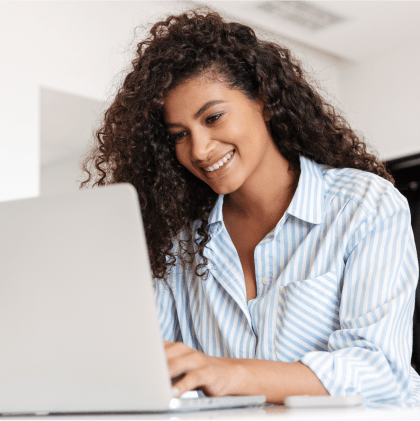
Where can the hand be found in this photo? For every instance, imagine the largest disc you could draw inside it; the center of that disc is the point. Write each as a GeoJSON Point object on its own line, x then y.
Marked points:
{"type": "Point", "coordinates": [191, 369]}
{"type": "Point", "coordinates": [217, 376]}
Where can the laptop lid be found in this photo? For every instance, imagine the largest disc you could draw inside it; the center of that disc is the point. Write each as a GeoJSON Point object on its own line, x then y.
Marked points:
{"type": "Point", "coordinates": [78, 326]}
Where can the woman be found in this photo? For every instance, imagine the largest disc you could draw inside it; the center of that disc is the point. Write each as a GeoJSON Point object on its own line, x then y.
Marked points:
{"type": "Point", "coordinates": [283, 257]}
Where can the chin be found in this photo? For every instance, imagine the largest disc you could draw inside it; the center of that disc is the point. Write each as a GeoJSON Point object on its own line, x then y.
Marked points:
{"type": "Point", "coordinates": [224, 189]}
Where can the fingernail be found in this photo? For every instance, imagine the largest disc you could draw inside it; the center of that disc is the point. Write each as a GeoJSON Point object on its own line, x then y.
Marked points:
{"type": "Point", "coordinates": [175, 392]}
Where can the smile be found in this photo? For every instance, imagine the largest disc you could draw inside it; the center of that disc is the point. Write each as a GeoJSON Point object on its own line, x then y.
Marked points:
{"type": "Point", "coordinates": [220, 163]}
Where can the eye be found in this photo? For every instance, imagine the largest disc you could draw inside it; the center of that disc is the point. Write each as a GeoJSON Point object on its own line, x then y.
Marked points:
{"type": "Point", "coordinates": [213, 118]}
{"type": "Point", "coordinates": [176, 137]}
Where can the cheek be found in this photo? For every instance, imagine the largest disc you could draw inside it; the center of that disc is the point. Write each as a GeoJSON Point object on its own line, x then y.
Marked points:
{"type": "Point", "coordinates": [246, 131]}
{"type": "Point", "coordinates": [236, 130]}
{"type": "Point", "coordinates": [182, 154]}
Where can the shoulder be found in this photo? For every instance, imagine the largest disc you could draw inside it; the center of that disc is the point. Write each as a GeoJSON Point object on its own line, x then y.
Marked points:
{"type": "Point", "coordinates": [367, 190]}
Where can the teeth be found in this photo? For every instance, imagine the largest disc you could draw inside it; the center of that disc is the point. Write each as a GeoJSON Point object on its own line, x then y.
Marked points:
{"type": "Point", "coordinates": [219, 164]}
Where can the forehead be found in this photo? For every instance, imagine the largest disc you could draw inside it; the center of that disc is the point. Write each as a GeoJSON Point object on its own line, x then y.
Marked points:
{"type": "Point", "coordinates": [191, 95]}
{"type": "Point", "coordinates": [194, 89]}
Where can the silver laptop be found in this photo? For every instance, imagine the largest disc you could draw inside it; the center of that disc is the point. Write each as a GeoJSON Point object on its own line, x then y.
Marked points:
{"type": "Point", "coordinates": [78, 324]}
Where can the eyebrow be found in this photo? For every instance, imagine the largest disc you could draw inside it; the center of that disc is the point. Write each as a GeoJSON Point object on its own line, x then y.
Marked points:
{"type": "Point", "coordinates": [204, 108]}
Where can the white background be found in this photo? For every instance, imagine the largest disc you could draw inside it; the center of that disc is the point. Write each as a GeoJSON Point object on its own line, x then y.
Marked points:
{"type": "Point", "coordinates": [61, 62]}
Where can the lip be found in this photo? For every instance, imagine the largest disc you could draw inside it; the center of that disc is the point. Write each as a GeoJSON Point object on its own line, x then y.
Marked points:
{"type": "Point", "coordinates": [214, 161]}
{"type": "Point", "coordinates": [220, 171]}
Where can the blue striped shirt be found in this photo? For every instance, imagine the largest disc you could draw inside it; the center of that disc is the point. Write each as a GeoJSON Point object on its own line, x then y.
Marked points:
{"type": "Point", "coordinates": [336, 281]}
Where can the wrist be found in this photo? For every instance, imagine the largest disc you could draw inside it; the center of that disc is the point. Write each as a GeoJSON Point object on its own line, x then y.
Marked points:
{"type": "Point", "coordinates": [273, 379]}
{"type": "Point", "coordinates": [243, 380]}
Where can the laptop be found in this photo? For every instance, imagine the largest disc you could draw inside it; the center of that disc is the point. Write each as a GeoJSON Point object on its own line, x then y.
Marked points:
{"type": "Point", "coordinates": [78, 326]}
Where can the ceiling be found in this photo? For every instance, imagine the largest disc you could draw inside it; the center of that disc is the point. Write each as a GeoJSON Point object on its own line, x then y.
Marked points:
{"type": "Point", "coordinates": [368, 27]}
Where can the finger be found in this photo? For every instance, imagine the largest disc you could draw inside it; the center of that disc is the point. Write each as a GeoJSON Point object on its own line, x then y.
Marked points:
{"type": "Point", "coordinates": [167, 343]}
{"type": "Point", "coordinates": [176, 379]}
{"type": "Point", "coordinates": [185, 363]}
{"type": "Point", "coordinates": [177, 349]}
{"type": "Point", "coordinates": [191, 381]}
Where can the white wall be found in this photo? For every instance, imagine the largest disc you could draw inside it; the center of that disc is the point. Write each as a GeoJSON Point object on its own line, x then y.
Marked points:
{"type": "Point", "coordinates": [58, 46]}
{"type": "Point", "coordinates": [67, 125]}
{"type": "Point", "coordinates": [19, 138]}
{"type": "Point", "coordinates": [67, 122]}
{"type": "Point", "coordinates": [323, 68]}
{"type": "Point", "coordinates": [381, 97]}
{"type": "Point", "coordinates": [73, 46]}
{"type": "Point", "coordinates": [61, 176]}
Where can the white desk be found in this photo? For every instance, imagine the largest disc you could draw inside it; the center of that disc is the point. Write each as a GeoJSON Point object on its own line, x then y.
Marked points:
{"type": "Point", "coordinates": [265, 412]}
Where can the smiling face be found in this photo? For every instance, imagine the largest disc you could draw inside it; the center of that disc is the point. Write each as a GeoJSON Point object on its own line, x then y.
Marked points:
{"type": "Point", "coordinates": [220, 135]}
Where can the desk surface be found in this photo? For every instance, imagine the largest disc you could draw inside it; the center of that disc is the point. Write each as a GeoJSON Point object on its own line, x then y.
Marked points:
{"type": "Point", "coordinates": [261, 412]}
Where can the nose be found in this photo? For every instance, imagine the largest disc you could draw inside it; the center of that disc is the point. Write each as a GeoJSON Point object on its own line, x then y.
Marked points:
{"type": "Point", "coordinates": [201, 145]}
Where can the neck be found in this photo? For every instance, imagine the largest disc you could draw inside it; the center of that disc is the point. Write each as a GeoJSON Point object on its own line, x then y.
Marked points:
{"type": "Point", "coordinates": [268, 193]}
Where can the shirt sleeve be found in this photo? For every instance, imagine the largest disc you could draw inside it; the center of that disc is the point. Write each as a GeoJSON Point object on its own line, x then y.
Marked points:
{"type": "Point", "coordinates": [371, 353]}
{"type": "Point", "coordinates": [166, 312]}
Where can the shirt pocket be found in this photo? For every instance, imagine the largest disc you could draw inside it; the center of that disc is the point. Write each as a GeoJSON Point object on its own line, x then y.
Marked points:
{"type": "Point", "coordinates": [308, 312]}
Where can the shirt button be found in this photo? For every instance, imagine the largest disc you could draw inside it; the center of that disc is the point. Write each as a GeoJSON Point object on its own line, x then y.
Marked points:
{"type": "Point", "coordinates": [265, 281]}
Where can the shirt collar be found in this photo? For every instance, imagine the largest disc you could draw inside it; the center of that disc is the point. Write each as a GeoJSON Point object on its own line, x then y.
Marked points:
{"type": "Point", "coordinates": [307, 203]}
{"type": "Point", "coordinates": [216, 216]}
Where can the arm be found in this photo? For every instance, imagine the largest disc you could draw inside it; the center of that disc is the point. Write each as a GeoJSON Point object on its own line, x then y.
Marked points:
{"type": "Point", "coordinates": [370, 354]}
{"type": "Point", "coordinates": [218, 376]}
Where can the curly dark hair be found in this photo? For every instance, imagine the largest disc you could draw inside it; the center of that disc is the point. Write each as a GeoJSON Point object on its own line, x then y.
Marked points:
{"type": "Point", "coordinates": [133, 143]}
